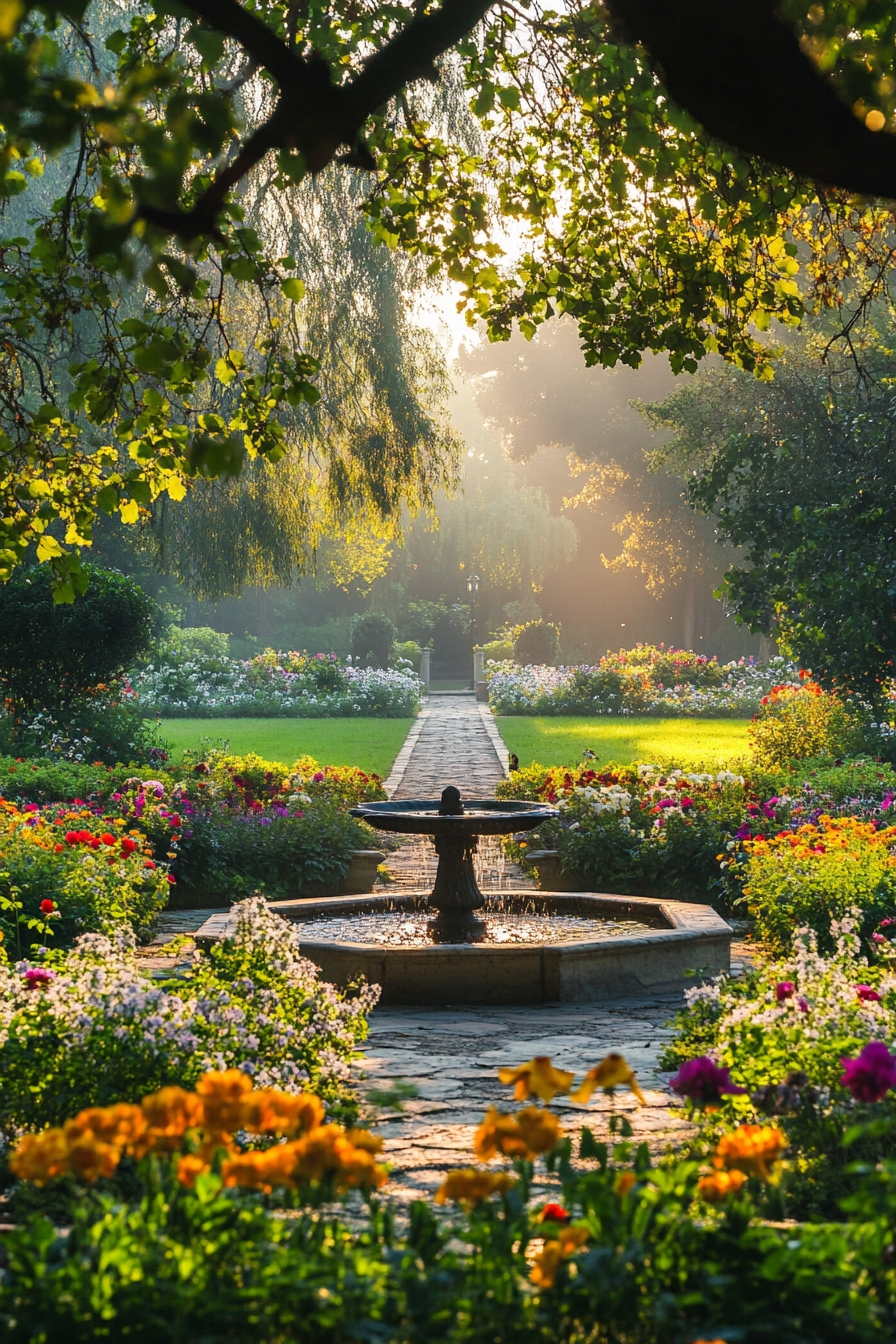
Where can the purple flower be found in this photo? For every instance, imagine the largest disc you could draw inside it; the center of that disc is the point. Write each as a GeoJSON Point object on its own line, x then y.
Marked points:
{"type": "Point", "coordinates": [784, 990]}
{"type": "Point", "coordinates": [802, 1004]}
{"type": "Point", "coordinates": [743, 832]}
{"type": "Point", "coordinates": [704, 1082]}
{"type": "Point", "coordinates": [872, 1075]}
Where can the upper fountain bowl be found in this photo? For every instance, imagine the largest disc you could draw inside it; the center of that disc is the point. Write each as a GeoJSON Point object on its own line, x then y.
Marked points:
{"type": "Point", "coordinates": [480, 816]}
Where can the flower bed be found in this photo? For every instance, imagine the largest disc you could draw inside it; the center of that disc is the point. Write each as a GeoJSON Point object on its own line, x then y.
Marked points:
{"type": "Point", "coordinates": [805, 1039]}
{"type": "Point", "coordinates": [87, 1027]}
{"type": "Point", "coordinates": [662, 683]}
{"type": "Point", "coordinates": [624, 1251]}
{"type": "Point", "coordinates": [272, 685]}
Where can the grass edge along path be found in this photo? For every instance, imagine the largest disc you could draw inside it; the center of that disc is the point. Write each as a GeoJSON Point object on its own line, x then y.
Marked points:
{"type": "Point", "coordinates": [371, 744]}
{"type": "Point", "coordinates": [625, 739]}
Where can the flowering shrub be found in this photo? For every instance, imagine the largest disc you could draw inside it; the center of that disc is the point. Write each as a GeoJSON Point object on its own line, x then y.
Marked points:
{"type": "Point", "coordinates": [109, 725]}
{"type": "Point", "coordinates": [291, 685]}
{"type": "Point", "coordinates": [807, 1040]}
{"type": "Point", "coordinates": [644, 680]}
{"type": "Point", "coordinates": [623, 1251]}
{"type": "Point", "coordinates": [635, 829]}
{"type": "Point", "coordinates": [96, 871]}
{"type": "Point", "coordinates": [815, 872]}
{"type": "Point", "coordinates": [96, 1030]}
{"type": "Point", "coordinates": [794, 722]}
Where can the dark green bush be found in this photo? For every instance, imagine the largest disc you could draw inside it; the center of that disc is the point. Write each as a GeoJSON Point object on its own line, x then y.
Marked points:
{"type": "Point", "coordinates": [53, 655]}
{"type": "Point", "coordinates": [537, 642]}
{"type": "Point", "coordinates": [373, 635]}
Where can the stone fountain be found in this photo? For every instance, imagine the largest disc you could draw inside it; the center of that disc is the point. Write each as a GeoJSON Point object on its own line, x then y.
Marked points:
{"type": "Point", "coordinates": [457, 944]}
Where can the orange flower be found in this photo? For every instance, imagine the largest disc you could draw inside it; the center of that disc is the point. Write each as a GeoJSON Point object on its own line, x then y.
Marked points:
{"type": "Point", "coordinates": [263, 1170]}
{"type": "Point", "coordinates": [523, 1135]}
{"type": "Point", "coordinates": [546, 1264]}
{"type": "Point", "coordinates": [90, 1158]}
{"type": "Point", "coordinates": [750, 1149]}
{"type": "Point", "coordinates": [189, 1168]}
{"type": "Point", "coordinates": [223, 1097]}
{"type": "Point", "coordinates": [169, 1113]}
{"type": "Point", "coordinates": [272, 1112]}
{"type": "Point", "coordinates": [121, 1125]}
{"type": "Point", "coordinates": [469, 1186]}
{"type": "Point", "coordinates": [539, 1077]}
{"type": "Point", "coordinates": [41, 1157]}
{"type": "Point", "coordinates": [612, 1072]}
{"type": "Point", "coordinates": [329, 1152]}
{"type": "Point", "coordinates": [720, 1185]}
{"type": "Point", "coordinates": [625, 1181]}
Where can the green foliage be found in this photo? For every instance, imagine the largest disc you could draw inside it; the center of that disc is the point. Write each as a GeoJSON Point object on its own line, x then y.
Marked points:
{"type": "Point", "coordinates": [55, 655]}
{"type": "Point", "coordinates": [373, 636]}
{"type": "Point", "coordinates": [798, 473]}
{"type": "Point", "coordinates": [193, 643]}
{"type": "Point", "coordinates": [406, 650]}
{"type": "Point", "coordinates": [107, 728]}
{"type": "Point", "coordinates": [536, 642]}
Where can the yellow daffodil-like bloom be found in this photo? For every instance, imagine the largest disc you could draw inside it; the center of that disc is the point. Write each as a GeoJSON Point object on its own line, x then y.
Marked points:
{"type": "Point", "coordinates": [169, 1114]}
{"type": "Point", "coordinates": [625, 1181]}
{"type": "Point", "coordinates": [546, 1264]}
{"type": "Point", "coordinates": [750, 1149]}
{"type": "Point", "coordinates": [468, 1186]}
{"type": "Point", "coordinates": [720, 1185]}
{"type": "Point", "coordinates": [223, 1099]}
{"type": "Point", "coordinates": [612, 1072]}
{"type": "Point", "coordinates": [41, 1157]}
{"type": "Point", "coordinates": [539, 1077]}
{"type": "Point", "coordinates": [524, 1135]}
{"type": "Point", "coordinates": [272, 1112]}
{"type": "Point", "coordinates": [189, 1168]}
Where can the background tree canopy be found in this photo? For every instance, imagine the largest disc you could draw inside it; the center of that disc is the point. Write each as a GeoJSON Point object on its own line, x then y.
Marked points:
{"type": "Point", "coordinates": [800, 473]}
{"type": "Point", "coordinates": [151, 293]}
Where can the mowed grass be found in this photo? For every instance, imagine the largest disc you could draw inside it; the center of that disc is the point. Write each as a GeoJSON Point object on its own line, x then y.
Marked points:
{"type": "Point", "coordinates": [371, 744]}
{"type": "Point", "coordinates": [689, 742]}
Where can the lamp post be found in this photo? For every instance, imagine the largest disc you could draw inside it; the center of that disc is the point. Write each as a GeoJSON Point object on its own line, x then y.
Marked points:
{"type": "Point", "coordinates": [473, 589]}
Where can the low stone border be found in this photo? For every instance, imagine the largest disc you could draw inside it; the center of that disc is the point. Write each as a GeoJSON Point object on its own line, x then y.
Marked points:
{"type": "Point", "coordinates": [495, 737]}
{"type": "Point", "coordinates": [400, 764]}
{"type": "Point", "coordinates": [686, 943]}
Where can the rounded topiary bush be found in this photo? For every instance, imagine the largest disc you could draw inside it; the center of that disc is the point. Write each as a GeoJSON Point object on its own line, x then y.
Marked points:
{"type": "Point", "coordinates": [536, 643]}
{"type": "Point", "coordinates": [373, 635]}
{"type": "Point", "coordinates": [53, 655]}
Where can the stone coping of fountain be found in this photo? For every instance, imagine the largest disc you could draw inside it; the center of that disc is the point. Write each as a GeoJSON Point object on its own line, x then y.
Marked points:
{"type": "Point", "coordinates": [687, 943]}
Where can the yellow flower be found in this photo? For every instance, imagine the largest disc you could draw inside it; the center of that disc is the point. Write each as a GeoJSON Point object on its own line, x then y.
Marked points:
{"type": "Point", "coordinates": [539, 1077]}
{"type": "Point", "coordinates": [750, 1149]}
{"type": "Point", "coordinates": [223, 1095]}
{"type": "Point", "coordinates": [720, 1185]}
{"type": "Point", "coordinates": [625, 1181]}
{"type": "Point", "coordinates": [612, 1072]}
{"type": "Point", "coordinates": [526, 1134]}
{"type": "Point", "coordinates": [546, 1264]}
{"type": "Point", "coordinates": [469, 1186]}
{"type": "Point", "coordinates": [41, 1157]}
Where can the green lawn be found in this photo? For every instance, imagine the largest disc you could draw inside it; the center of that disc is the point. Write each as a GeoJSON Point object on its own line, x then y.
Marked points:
{"type": "Point", "coordinates": [371, 744]}
{"type": "Point", "coordinates": [561, 741]}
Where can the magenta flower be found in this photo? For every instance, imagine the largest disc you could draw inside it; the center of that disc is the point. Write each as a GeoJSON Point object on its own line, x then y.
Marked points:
{"type": "Point", "coordinates": [867, 994]}
{"type": "Point", "coordinates": [878, 938]}
{"type": "Point", "coordinates": [704, 1082]}
{"type": "Point", "coordinates": [802, 1004]}
{"type": "Point", "coordinates": [784, 990]}
{"type": "Point", "coordinates": [872, 1075]}
{"type": "Point", "coordinates": [36, 978]}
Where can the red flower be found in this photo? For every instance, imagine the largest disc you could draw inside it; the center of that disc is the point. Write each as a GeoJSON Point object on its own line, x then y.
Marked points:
{"type": "Point", "coordinates": [149, 864]}
{"type": "Point", "coordinates": [128, 845]}
{"type": "Point", "coordinates": [554, 1213]}
{"type": "Point", "coordinates": [171, 879]}
{"type": "Point", "coordinates": [47, 907]}
{"type": "Point", "coordinates": [60, 848]}
{"type": "Point", "coordinates": [870, 1077]}
{"type": "Point", "coordinates": [108, 838]}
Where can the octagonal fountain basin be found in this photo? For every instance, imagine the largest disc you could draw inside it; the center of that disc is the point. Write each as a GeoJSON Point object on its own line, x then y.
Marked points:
{"type": "Point", "coordinates": [532, 947]}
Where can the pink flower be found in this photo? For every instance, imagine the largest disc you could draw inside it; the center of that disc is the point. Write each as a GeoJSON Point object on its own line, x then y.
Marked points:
{"type": "Point", "coordinates": [878, 938]}
{"type": "Point", "coordinates": [802, 1004]}
{"type": "Point", "coordinates": [318, 778]}
{"type": "Point", "coordinates": [867, 994]}
{"type": "Point", "coordinates": [784, 990]}
{"type": "Point", "coordinates": [36, 978]}
{"type": "Point", "coordinates": [872, 1075]}
{"type": "Point", "coordinates": [704, 1082]}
